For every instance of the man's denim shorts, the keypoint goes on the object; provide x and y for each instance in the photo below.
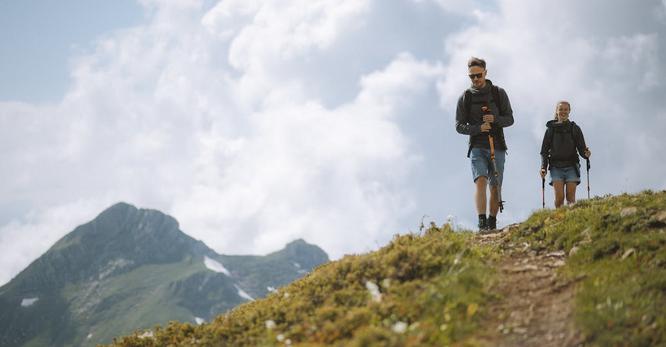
(481, 165)
(566, 174)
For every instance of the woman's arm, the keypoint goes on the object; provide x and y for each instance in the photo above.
(579, 139)
(545, 148)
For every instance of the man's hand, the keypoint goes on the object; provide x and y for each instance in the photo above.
(587, 152)
(485, 127)
(488, 118)
(543, 173)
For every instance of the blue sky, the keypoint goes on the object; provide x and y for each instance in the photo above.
(39, 37)
(254, 122)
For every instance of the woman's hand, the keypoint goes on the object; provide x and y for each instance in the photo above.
(542, 172)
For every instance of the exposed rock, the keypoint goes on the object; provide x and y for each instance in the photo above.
(524, 268)
(558, 254)
(628, 211)
(661, 216)
(557, 263)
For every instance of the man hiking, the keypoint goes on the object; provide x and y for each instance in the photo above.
(482, 113)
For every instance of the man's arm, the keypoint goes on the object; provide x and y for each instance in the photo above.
(505, 118)
(462, 121)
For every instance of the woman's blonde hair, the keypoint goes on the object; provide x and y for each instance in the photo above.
(558, 104)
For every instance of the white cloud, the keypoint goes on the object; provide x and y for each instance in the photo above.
(278, 36)
(313, 172)
(24, 239)
(633, 59)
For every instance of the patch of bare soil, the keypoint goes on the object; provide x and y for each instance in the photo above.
(535, 304)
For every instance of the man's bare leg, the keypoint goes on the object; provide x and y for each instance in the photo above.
(480, 195)
(494, 201)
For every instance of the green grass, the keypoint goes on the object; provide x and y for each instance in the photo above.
(434, 285)
(437, 286)
(129, 310)
(621, 259)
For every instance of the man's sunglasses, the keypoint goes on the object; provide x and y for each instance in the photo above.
(472, 76)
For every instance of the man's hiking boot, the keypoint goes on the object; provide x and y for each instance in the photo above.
(492, 223)
(483, 223)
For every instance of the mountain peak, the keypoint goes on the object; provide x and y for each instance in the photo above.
(119, 209)
(123, 212)
(305, 254)
(123, 234)
(120, 205)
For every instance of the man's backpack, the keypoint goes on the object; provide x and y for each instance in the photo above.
(494, 91)
(467, 100)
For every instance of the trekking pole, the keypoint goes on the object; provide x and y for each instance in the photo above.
(543, 194)
(495, 171)
(588, 177)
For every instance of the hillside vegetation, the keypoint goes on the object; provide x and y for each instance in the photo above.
(436, 288)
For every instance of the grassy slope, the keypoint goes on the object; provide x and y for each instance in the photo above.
(431, 283)
(438, 283)
(620, 255)
(129, 309)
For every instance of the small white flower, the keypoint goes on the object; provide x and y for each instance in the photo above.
(399, 327)
(374, 291)
(270, 324)
(280, 337)
(146, 334)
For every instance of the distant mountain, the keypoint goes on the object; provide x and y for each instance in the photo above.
(133, 268)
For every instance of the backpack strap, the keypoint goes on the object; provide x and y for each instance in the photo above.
(467, 100)
(573, 128)
(494, 91)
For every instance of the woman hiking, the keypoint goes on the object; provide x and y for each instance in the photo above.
(562, 143)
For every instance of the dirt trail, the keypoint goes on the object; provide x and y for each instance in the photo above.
(535, 305)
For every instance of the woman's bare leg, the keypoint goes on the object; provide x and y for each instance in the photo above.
(571, 192)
